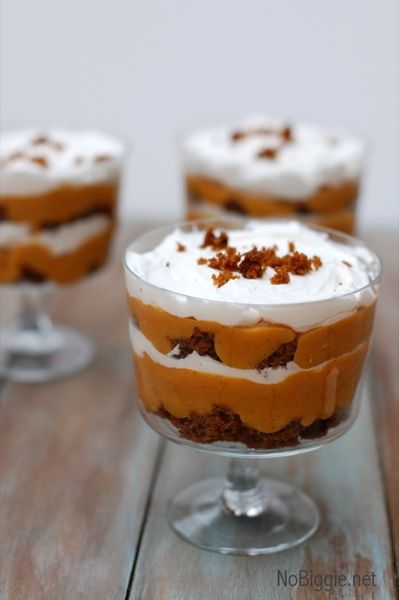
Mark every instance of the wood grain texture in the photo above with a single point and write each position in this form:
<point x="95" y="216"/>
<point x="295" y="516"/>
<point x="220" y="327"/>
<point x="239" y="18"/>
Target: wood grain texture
<point x="82" y="507"/>
<point x="76" y="464"/>
<point x="386" y="383"/>
<point x="344" y="480"/>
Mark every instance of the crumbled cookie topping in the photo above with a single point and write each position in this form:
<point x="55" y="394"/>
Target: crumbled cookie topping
<point x="270" y="153"/>
<point x="253" y="263"/>
<point x="281" y="276"/>
<point x="40" y="140"/>
<point x="285" y="134"/>
<point x="227" y="260"/>
<point x="223" y="277"/>
<point x="216" y="242"/>
<point x="181" y="247"/>
<point x="44" y="140"/>
<point x="39" y="160"/>
<point x="316" y="262"/>
<point x="18" y="155"/>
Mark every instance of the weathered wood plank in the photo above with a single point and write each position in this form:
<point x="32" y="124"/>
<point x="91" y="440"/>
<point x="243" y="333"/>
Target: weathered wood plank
<point x="386" y="361"/>
<point x="343" y="478"/>
<point x="76" y="467"/>
<point x="76" y="464"/>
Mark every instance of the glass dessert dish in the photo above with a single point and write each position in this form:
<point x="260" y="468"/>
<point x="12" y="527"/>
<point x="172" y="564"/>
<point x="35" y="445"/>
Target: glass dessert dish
<point x="266" y="168"/>
<point x="249" y="339"/>
<point x="58" y="200"/>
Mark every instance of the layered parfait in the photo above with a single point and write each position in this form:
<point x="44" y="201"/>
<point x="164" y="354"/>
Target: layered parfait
<point x="253" y="334"/>
<point x="58" y="196"/>
<point x="266" y="167"/>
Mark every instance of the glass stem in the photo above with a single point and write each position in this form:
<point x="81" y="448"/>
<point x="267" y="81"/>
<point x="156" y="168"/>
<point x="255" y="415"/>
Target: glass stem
<point x="32" y="315"/>
<point x="243" y="493"/>
<point x="33" y="332"/>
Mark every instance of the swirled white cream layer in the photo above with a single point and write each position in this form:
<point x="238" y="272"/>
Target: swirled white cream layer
<point x="204" y="364"/>
<point x="60" y="240"/>
<point x="34" y="161"/>
<point x="175" y="282"/>
<point x="314" y="158"/>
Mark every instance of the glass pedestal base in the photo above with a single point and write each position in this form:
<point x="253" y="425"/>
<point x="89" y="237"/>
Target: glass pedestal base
<point x="271" y="517"/>
<point x="30" y="356"/>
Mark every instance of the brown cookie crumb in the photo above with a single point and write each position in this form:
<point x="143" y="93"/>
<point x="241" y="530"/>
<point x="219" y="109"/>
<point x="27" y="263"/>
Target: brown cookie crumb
<point x="270" y="153"/>
<point x="286" y="133"/>
<point x="44" y="140"/>
<point x="283" y="355"/>
<point x="253" y="263"/>
<point x="298" y="263"/>
<point x="225" y="261"/>
<point x="12" y="157"/>
<point x="281" y="276"/>
<point x="180" y="247"/>
<point x="216" y="242"/>
<point x="223" y="277"/>
<point x="102" y="158"/>
<point x="40" y="140"/>
<point x="236" y="136"/>
<point x="41" y="161"/>
<point x="201" y="342"/>
<point x="316" y="262"/>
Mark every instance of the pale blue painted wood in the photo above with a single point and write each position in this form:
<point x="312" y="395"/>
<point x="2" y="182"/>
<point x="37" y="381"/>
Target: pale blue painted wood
<point x="77" y="463"/>
<point x="344" y="478"/>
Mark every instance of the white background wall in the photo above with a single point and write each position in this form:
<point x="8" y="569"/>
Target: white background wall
<point x="150" y="69"/>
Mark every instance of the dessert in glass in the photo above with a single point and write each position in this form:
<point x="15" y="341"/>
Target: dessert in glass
<point x="249" y="339"/>
<point x="264" y="167"/>
<point x="58" y="199"/>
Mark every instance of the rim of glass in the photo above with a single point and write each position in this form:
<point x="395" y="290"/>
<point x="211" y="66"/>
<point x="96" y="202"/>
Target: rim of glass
<point x="351" y="240"/>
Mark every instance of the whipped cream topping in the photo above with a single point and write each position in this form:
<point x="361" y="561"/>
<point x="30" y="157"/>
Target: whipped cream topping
<point x="313" y="158"/>
<point x="61" y="240"/>
<point x="33" y="161"/>
<point x="320" y="296"/>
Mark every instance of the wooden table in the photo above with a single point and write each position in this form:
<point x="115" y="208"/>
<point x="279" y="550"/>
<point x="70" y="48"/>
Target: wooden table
<point x="84" y="482"/>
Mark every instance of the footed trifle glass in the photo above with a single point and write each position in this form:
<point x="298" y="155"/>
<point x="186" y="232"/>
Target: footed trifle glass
<point x="249" y="340"/>
<point x="58" y="200"/>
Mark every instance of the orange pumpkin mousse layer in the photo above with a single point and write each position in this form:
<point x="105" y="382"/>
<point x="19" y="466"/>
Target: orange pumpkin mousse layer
<point x="264" y="374"/>
<point x="58" y="200"/>
<point x="62" y="205"/>
<point x="332" y="207"/>
<point x="266" y="168"/>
